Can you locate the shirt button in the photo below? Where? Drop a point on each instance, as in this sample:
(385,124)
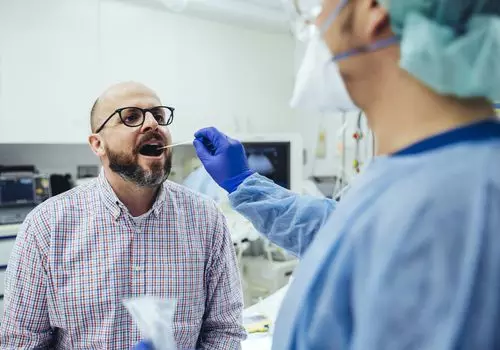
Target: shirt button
(137,268)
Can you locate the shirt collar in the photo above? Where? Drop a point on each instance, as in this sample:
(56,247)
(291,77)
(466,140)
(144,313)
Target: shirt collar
(476,132)
(116,207)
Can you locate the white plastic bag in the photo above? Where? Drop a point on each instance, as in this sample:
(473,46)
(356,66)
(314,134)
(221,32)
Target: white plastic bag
(154,317)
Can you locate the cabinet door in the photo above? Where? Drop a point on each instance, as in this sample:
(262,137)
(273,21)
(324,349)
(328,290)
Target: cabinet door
(1,308)
(6,246)
(2,280)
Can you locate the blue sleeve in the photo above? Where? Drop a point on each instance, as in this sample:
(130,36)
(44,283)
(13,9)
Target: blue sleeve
(287,219)
(426,274)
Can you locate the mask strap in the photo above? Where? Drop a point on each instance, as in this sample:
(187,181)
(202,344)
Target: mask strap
(381,44)
(332,16)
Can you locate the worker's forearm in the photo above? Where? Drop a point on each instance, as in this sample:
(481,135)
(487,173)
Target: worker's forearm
(286,218)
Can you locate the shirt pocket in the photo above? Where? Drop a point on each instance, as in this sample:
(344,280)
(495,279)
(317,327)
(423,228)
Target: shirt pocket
(182,277)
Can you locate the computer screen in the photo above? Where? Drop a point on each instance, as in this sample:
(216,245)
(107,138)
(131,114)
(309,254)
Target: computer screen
(270,159)
(17,190)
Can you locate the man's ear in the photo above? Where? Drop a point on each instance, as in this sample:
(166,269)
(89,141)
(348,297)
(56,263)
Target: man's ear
(97,145)
(378,24)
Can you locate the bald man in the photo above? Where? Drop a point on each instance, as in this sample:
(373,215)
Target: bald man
(126,234)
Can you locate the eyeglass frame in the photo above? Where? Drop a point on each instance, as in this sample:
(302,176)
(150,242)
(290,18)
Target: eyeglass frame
(118,111)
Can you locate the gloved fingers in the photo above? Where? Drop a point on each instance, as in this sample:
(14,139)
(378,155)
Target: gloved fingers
(201,150)
(210,133)
(144,345)
(212,136)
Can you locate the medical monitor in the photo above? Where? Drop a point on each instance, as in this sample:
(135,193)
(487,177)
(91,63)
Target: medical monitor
(270,159)
(18,190)
(278,157)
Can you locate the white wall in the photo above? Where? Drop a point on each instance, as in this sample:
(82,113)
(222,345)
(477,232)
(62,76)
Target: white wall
(49,60)
(57,55)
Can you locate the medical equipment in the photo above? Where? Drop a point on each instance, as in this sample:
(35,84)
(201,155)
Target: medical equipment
(87,171)
(284,152)
(20,193)
(17,190)
(264,276)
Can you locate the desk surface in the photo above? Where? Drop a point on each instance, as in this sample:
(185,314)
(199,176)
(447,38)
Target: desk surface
(268,307)
(258,342)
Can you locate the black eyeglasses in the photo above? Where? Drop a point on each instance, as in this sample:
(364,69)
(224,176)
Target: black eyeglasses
(135,116)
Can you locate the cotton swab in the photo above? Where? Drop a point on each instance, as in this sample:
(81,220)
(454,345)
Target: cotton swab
(176,144)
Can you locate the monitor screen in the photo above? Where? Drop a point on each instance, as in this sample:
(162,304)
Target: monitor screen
(17,190)
(270,159)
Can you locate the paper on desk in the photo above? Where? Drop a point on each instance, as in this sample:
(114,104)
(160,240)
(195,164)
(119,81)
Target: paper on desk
(154,317)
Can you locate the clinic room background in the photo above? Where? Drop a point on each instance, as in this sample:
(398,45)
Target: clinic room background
(230,65)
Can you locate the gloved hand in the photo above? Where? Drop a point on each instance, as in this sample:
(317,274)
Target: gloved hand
(223,158)
(144,345)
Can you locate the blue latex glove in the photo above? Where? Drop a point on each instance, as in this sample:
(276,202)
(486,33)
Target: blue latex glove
(223,158)
(144,345)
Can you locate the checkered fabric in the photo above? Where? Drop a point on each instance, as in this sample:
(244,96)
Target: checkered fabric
(78,255)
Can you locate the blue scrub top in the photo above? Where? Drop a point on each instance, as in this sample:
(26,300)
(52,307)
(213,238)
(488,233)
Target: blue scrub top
(409,259)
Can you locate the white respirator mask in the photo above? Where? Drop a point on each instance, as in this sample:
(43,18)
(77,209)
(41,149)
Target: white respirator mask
(319,86)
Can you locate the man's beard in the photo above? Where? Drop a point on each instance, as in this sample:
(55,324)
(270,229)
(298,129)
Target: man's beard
(127,166)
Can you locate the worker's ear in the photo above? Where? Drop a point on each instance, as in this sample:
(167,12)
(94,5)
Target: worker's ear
(97,145)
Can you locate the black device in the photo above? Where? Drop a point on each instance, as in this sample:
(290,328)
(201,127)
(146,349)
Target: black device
(87,171)
(270,159)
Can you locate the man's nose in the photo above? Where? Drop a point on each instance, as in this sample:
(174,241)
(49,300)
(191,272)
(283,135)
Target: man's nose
(150,122)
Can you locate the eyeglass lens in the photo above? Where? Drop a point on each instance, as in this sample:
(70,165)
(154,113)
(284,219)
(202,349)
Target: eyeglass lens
(132,116)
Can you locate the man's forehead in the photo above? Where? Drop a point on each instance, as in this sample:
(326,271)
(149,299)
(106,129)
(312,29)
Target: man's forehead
(129,95)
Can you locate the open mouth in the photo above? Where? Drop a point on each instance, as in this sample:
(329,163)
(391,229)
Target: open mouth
(151,150)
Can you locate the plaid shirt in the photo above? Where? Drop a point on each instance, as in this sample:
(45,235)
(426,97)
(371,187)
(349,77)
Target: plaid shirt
(78,255)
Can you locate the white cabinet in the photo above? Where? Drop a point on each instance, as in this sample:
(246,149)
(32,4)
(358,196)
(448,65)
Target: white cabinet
(6,246)
(1,308)
(2,281)
(7,240)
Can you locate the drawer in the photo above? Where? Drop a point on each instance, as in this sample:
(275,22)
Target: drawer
(9,230)
(2,282)
(6,246)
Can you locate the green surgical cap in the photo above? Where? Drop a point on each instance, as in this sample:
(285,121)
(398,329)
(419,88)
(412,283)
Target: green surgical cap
(453,46)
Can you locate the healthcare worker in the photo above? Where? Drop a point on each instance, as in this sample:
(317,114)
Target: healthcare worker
(410,258)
